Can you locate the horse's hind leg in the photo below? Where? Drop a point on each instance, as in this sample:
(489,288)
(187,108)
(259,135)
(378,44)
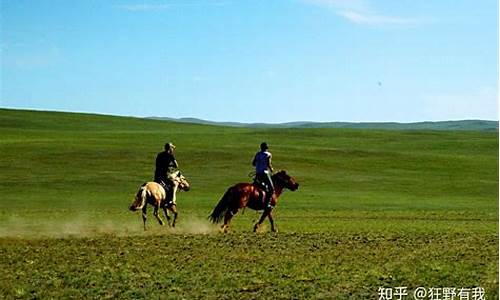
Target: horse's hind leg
(227,219)
(155,213)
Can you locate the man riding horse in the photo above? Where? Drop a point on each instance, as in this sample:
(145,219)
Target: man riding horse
(263,172)
(166,165)
(250,195)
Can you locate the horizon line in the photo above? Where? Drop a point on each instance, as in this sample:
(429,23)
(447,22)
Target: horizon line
(240,122)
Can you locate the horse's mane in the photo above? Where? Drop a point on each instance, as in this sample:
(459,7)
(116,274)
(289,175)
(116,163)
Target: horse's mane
(278,174)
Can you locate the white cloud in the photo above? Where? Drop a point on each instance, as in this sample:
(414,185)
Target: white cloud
(149,7)
(355,5)
(28,53)
(361,12)
(375,19)
(144,7)
(481,103)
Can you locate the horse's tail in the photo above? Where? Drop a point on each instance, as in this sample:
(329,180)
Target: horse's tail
(140,198)
(222,207)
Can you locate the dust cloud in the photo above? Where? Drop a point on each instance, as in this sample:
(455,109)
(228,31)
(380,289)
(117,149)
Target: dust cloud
(84,226)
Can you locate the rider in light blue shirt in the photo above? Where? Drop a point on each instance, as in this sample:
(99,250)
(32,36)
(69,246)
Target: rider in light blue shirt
(263,170)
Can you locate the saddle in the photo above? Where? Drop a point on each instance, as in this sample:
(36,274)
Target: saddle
(260,184)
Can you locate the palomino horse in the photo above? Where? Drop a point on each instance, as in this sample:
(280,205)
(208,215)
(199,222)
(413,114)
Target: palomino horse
(249,195)
(153,193)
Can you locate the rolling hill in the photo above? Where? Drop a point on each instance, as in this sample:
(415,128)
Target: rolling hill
(472,125)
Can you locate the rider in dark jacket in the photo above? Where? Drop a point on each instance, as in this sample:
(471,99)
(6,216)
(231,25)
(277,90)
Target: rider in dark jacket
(263,171)
(165,164)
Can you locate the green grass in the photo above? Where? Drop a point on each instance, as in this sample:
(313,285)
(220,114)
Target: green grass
(244,265)
(375,208)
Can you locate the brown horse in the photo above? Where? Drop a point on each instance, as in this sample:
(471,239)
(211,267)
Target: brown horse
(154,194)
(249,195)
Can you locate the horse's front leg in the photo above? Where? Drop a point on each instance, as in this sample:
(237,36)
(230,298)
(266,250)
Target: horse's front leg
(266,213)
(144,211)
(270,215)
(155,213)
(165,212)
(173,209)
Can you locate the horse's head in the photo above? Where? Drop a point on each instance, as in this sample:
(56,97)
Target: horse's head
(181,181)
(285,180)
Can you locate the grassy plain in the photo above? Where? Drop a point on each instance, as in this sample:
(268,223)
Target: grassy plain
(375,209)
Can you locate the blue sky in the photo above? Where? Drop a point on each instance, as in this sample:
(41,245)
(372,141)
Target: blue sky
(253,61)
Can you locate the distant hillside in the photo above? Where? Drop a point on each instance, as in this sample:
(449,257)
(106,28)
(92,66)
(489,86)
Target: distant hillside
(473,125)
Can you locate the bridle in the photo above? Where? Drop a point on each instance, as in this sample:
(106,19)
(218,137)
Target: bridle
(180,180)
